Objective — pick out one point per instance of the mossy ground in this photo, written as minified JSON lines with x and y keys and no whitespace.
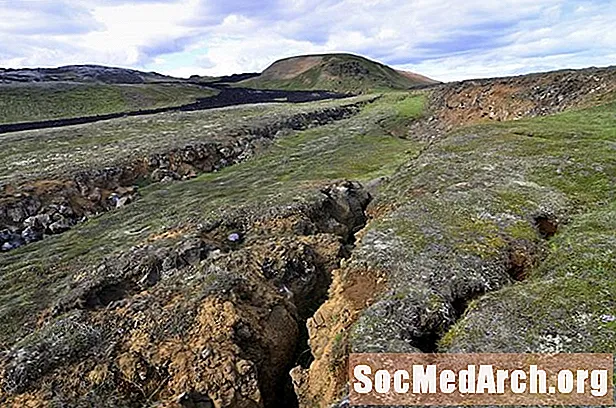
{"x":59,"y":151}
{"x":46,"y":101}
{"x":568,"y":298}
{"x":448,"y":224}
{"x":459,"y":222}
{"x":294,"y":166}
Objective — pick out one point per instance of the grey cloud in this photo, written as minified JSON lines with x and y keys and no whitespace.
{"x":422,"y":31}
{"x":165,"y":46}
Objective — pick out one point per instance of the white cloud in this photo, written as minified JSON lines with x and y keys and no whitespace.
{"x":448,"y":39}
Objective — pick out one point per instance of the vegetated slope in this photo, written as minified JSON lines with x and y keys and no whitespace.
{"x":198,"y":291}
{"x":494,"y":239}
{"x":37,"y":101}
{"x":335,"y":72}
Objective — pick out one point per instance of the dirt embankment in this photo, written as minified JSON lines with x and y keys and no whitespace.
{"x":32,"y":210}
{"x":513,"y":98}
{"x":215,"y":321}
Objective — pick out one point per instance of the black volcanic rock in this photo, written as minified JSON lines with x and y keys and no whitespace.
{"x":82,"y":73}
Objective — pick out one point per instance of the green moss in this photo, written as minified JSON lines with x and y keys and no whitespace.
{"x":450,"y":337}
{"x":480,"y":237}
{"x":409,"y":231}
{"x":411,"y":107}
{"x":560,"y":163}
{"x":597,"y":123}
{"x":521,"y":230}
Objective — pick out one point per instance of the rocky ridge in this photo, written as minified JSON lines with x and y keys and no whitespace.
{"x":81,"y":73}
{"x":514,"y":98}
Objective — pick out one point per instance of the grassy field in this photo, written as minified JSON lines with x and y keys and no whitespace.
{"x":44,"y":101}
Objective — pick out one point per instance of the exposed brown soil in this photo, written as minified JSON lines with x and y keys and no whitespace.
{"x":225,"y":331}
{"x":352,"y":290}
{"x":513,"y":98}
{"x":290,"y":68}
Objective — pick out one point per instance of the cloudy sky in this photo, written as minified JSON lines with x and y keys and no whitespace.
{"x":444,"y":39}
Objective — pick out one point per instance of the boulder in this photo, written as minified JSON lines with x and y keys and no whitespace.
{"x":32,"y":234}
{"x":60,"y":226}
{"x":162,"y":174}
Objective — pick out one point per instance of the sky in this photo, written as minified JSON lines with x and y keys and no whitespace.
{"x":444,"y":39}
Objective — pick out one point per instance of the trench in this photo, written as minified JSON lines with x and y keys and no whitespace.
{"x":28,"y":215}
{"x":518,"y":260}
{"x":353,"y":221}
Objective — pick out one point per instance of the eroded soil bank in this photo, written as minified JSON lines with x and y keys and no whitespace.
{"x":465,"y":244}
{"x":219,"y":315}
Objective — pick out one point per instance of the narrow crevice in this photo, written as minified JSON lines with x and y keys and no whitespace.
{"x":431,"y":335}
{"x":195,"y":400}
{"x":105,"y":295}
{"x":342,"y":213}
{"x":428,"y":342}
{"x":520,"y":258}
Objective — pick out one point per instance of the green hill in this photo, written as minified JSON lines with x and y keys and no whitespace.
{"x":334,"y":72}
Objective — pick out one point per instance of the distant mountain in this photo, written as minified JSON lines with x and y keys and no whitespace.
{"x":82,"y":73}
{"x":424,"y":80}
{"x":335,"y":72}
